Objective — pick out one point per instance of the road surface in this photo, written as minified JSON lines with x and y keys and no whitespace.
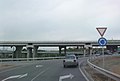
{"x":42,"y":70}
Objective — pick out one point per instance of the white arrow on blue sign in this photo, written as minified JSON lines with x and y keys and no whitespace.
{"x":102,"y":41}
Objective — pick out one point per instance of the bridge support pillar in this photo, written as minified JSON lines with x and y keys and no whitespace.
{"x":112,"y":48}
{"x":35,"y":51}
{"x":60,"y":49}
{"x":87,"y":49}
{"x":65,"y":50}
{"x":29,"y":52}
{"x":90,"y":48}
{"x":18,"y":53}
{"x":84,"y":52}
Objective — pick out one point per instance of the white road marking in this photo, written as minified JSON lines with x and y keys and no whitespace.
{"x":66,"y":76}
{"x":24,"y":75}
{"x":39,"y":66}
{"x":39,"y":74}
{"x":16,"y":76}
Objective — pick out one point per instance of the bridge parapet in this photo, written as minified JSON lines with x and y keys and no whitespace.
{"x":55,"y":43}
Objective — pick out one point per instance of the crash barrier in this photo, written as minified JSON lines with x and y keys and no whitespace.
{"x":30,"y":59}
{"x":105,"y":72}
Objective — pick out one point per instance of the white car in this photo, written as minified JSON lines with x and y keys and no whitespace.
{"x":70,"y":60}
{"x":97,"y":54}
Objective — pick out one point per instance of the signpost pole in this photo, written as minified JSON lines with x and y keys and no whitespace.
{"x":102,"y":41}
{"x":103,"y":56}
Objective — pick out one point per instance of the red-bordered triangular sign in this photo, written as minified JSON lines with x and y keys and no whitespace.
{"x":101,"y":30}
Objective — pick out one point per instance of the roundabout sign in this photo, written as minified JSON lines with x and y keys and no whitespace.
{"x":102,"y":41}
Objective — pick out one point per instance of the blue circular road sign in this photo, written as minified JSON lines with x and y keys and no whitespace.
{"x":102,"y":41}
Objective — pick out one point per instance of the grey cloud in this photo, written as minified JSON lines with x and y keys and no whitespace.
{"x":58,"y":19}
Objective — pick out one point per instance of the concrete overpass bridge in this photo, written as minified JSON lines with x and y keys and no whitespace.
{"x":33,"y":45}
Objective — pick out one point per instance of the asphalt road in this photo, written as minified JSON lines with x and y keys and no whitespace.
{"x":43,"y":70}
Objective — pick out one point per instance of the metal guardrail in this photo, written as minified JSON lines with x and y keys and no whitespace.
{"x":27,"y":59}
{"x":110,"y":74}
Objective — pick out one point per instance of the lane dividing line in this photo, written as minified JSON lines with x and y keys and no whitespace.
{"x":39,"y":74}
{"x":16,"y":76}
{"x":83,"y":72}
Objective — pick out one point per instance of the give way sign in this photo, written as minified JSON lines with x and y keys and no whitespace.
{"x":101,"y":30}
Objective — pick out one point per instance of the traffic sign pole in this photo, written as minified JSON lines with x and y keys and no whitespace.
{"x":102,"y":41}
{"x":103,"y":56}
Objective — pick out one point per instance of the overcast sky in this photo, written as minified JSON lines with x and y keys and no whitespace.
{"x":58,"y":20}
